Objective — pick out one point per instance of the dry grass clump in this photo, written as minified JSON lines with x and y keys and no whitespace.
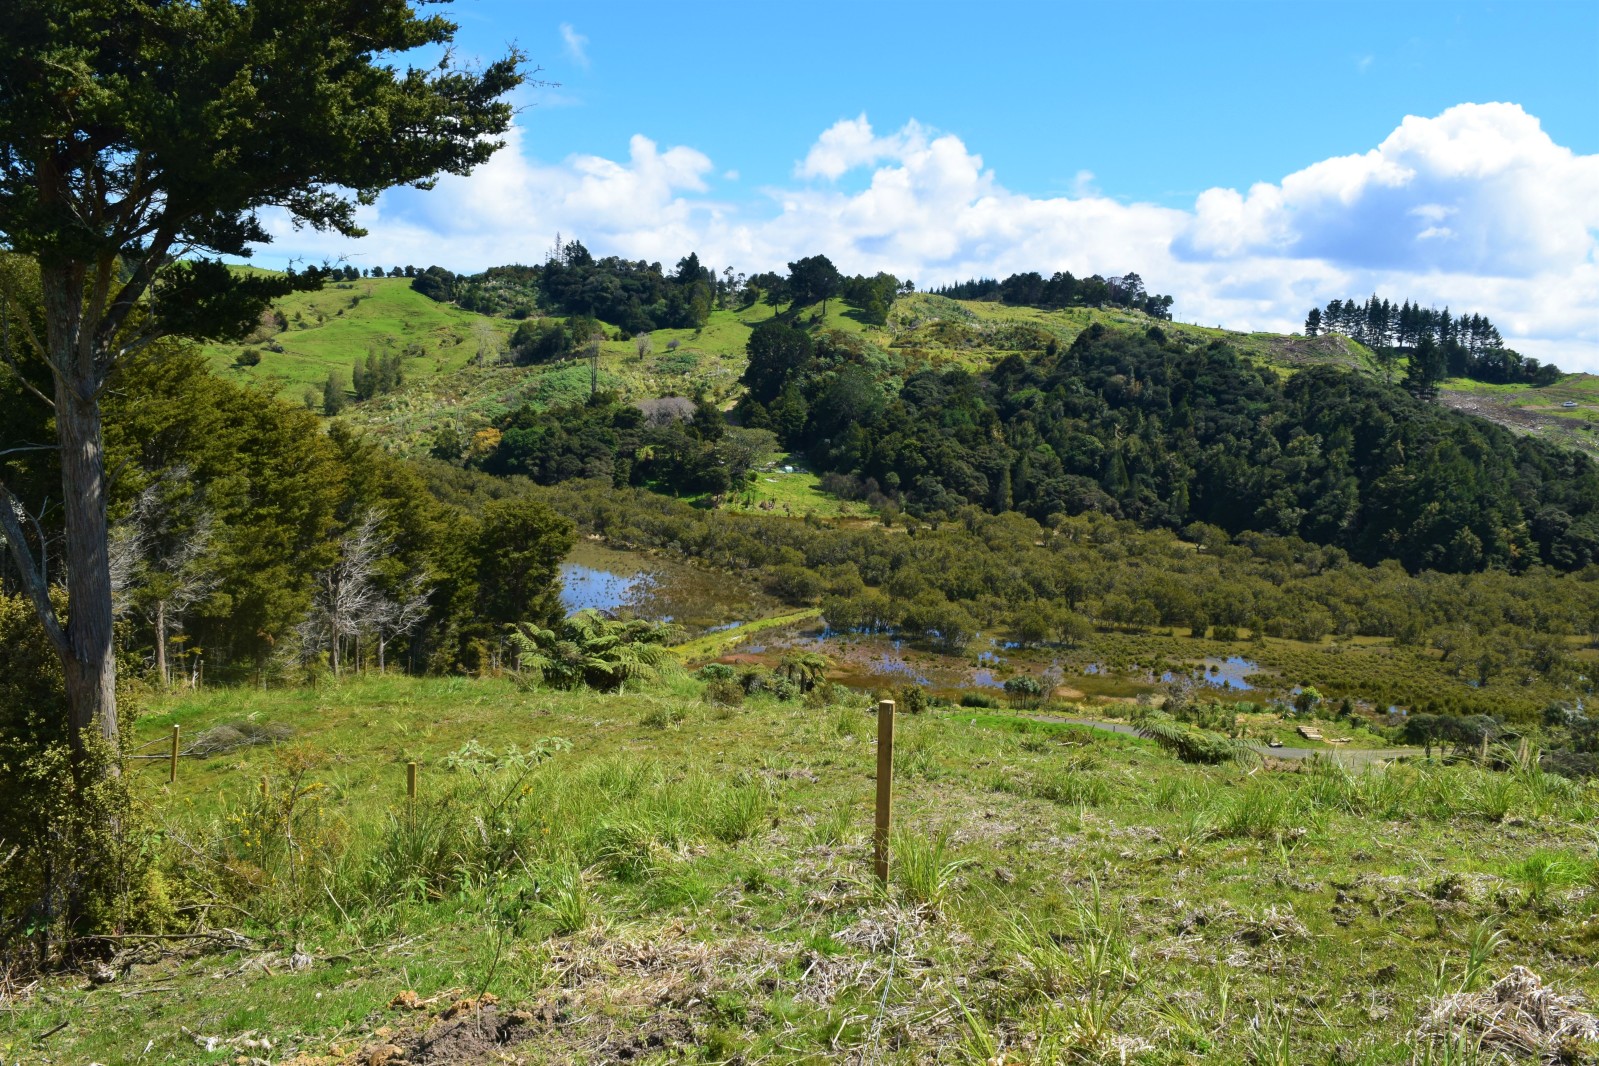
{"x":1517,"y":1016}
{"x":231,"y":736}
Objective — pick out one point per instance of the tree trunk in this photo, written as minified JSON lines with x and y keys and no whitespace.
{"x":89,"y":664}
{"x":161,"y":644}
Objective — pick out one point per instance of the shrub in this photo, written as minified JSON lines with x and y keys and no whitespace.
{"x":1191,"y":744}
{"x":590,"y":649}
{"x":249,"y":357}
{"x":912,"y":699}
{"x":828,"y":694}
{"x":754,"y":682}
{"x":543,"y":341}
{"x":979,"y":699}
{"x":724,"y":691}
{"x":63,"y":871}
{"x":661,"y":716}
{"x":1024,"y":691}
{"x":795,"y":585}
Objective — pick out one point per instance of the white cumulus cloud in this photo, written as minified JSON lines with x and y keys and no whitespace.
{"x":850,"y":143}
{"x":1477,"y":208}
{"x":1517,"y":204}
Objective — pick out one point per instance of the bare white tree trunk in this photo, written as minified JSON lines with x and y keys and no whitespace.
{"x":174,"y":569}
{"x":393,"y":618}
{"x":161,"y":643}
{"x":348,"y":599}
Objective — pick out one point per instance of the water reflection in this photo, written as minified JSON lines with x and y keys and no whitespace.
{"x":585,"y":588}
{"x":662,"y":590}
{"x":1231,"y":672}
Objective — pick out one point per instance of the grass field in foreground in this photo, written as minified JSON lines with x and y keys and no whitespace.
{"x":648,"y":877}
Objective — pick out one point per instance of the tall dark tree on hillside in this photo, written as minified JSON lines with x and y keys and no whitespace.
{"x":872,"y":297}
{"x":136,"y":140}
{"x":813,"y":279}
{"x":1429,"y":364}
{"x":776,"y":350}
{"x":521,"y":545}
{"x":1470,"y":346}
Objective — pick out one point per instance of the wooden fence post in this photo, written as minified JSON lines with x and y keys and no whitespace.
{"x":410,"y":794}
{"x":172,"y":767}
{"x":885,"y":788}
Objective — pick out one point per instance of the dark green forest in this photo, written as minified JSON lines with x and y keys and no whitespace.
{"x":1168,"y":433}
{"x":676,"y":445}
{"x":1061,"y":290}
{"x":635,"y":296}
{"x":253,"y":543}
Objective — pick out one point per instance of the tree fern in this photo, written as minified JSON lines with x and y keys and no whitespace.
{"x":807,"y":669}
{"x":1191,"y":744}
{"x":591,"y":649}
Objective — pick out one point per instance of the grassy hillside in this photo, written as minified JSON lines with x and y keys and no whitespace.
{"x":470,"y":396}
{"x":650,"y":877}
{"x":329,"y":329}
{"x":1539,"y":411}
{"x":977,"y":333}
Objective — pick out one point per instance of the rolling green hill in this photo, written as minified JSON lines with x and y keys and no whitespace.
{"x":309,"y":334}
{"x":326,"y":331}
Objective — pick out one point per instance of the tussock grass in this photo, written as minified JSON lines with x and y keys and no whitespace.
{"x":925,"y":868}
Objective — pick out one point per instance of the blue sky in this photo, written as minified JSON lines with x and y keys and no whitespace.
{"x":1159,"y":101}
{"x":1250,"y":158}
